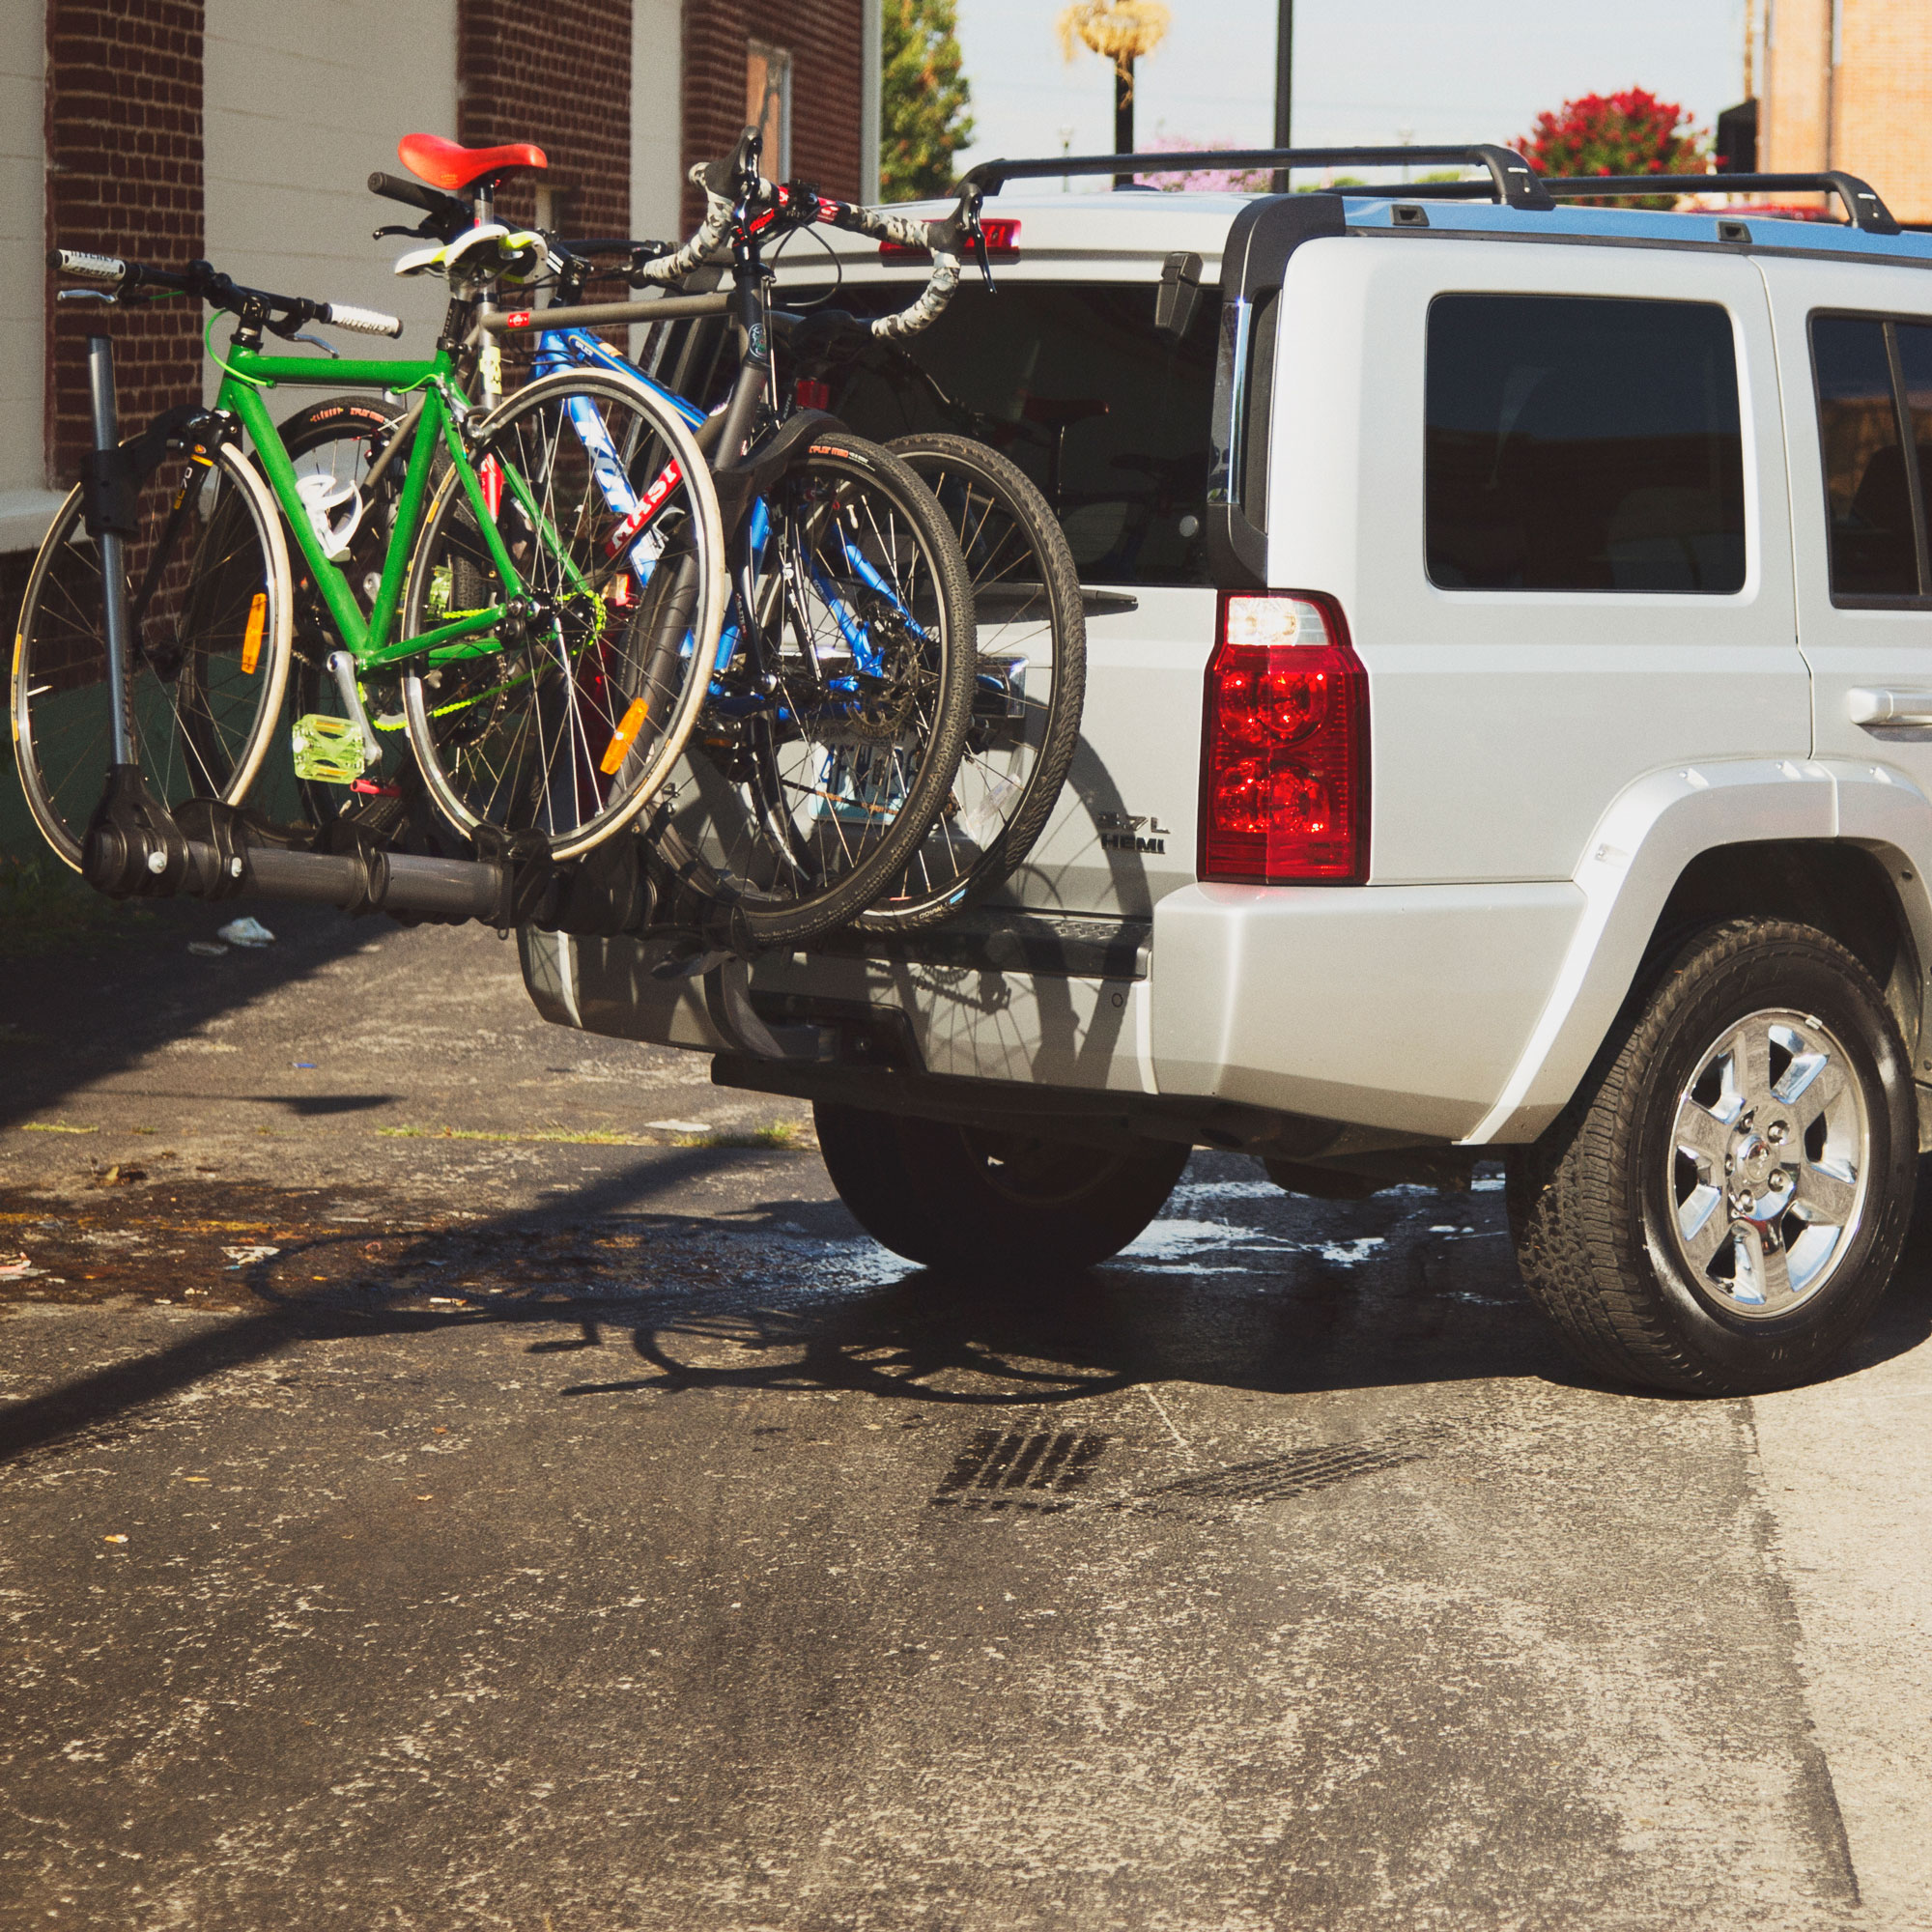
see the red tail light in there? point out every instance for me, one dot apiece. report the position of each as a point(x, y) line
point(1285, 746)
point(1003, 242)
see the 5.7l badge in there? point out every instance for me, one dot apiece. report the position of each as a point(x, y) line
point(1131, 832)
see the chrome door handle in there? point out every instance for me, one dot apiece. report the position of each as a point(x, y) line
point(1908, 709)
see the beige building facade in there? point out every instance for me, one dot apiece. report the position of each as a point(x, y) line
point(1848, 84)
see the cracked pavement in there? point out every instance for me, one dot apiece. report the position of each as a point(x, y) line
point(456, 1473)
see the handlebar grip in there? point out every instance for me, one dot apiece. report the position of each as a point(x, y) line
point(85, 266)
point(360, 321)
point(413, 194)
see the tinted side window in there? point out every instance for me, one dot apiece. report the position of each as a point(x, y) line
point(1867, 493)
point(1110, 420)
point(1575, 444)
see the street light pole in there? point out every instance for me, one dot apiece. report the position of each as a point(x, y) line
point(1283, 85)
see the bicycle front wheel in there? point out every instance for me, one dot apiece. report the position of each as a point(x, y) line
point(841, 701)
point(586, 528)
point(209, 606)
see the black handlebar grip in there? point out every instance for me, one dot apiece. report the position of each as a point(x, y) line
point(413, 194)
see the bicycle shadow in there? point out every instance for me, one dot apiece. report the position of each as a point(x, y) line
point(790, 1295)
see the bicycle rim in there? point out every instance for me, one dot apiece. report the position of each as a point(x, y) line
point(541, 726)
point(1030, 683)
point(836, 717)
point(211, 618)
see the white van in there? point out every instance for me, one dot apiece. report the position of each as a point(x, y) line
point(1508, 732)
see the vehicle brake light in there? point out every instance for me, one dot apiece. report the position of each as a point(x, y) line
point(1003, 242)
point(1285, 746)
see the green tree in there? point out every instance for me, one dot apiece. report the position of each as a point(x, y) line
point(923, 119)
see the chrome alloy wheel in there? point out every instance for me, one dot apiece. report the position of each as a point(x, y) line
point(1767, 1164)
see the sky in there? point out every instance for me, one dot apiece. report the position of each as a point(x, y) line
point(1365, 71)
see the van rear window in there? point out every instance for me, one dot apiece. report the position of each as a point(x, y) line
point(1109, 418)
point(1577, 444)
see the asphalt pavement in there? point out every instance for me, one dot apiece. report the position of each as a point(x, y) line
point(456, 1473)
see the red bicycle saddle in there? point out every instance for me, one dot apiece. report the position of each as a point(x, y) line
point(446, 165)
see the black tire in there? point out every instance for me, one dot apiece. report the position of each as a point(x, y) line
point(778, 820)
point(562, 721)
point(955, 1198)
point(209, 604)
point(1673, 1223)
point(1027, 603)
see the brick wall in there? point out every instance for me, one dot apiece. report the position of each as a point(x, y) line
point(823, 38)
point(1869, 116)
point(1884, 101)
point(556, 73)
point(123, 106)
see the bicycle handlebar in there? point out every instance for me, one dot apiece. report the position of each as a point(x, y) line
point(735, 191)
point(284, 315)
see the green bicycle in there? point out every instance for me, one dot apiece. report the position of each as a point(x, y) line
point(502, 636)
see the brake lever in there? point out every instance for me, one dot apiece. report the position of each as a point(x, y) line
point(327, 348)
point(980, 256)
point(86, 296)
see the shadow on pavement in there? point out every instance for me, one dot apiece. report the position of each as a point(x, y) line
point(788, 1294)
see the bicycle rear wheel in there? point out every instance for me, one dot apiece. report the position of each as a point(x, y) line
point(209, 605)
point(1030, 683)
point(564, 717)
point(841, 701)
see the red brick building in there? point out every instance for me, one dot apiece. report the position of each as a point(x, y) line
point(243, 129)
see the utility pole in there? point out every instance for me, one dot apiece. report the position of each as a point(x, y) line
point(1283, 85)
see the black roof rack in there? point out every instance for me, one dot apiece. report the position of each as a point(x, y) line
point(1511, 177)
point(1511, 181)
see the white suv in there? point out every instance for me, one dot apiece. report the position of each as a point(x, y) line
point(1508, 732)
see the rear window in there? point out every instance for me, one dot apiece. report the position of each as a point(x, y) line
point(1108, 418)
point(1577, 444)
point(1875, 375)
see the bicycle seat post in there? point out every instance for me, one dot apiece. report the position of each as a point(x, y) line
point(113, 575)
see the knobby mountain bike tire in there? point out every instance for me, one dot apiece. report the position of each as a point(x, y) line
point(836, 720)
point(1030, 683)
point(565, 719)
point(209, 603)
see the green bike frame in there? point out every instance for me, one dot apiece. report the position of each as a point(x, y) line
point(371, 640)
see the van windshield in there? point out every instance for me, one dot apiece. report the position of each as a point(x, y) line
point(1109, 418)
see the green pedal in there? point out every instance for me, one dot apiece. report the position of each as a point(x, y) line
point(328, 751)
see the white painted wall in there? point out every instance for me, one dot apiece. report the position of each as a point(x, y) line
point(657, 122)
point(300, 103)
point(26, 505)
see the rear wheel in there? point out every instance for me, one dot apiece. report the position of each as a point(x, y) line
point(1029, 685)
point(1721, 1206)
point(954, 1196)
point(210, 615)
point(835, 722)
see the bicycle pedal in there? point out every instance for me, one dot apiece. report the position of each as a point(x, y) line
point(328, 751)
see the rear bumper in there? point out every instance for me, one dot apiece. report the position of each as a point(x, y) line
point(1397, 1006)
point(1401, 1009)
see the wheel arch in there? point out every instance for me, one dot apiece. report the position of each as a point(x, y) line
point(1821, 842)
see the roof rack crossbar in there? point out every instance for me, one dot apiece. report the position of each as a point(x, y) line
point(1511, 181)
point(1861, 202)
point(1511, 177)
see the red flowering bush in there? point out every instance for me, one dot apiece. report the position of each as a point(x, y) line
point(1628, 133)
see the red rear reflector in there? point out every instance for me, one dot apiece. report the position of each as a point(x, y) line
point(1285, 746)
point(811, 393)
point(1002, 240)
